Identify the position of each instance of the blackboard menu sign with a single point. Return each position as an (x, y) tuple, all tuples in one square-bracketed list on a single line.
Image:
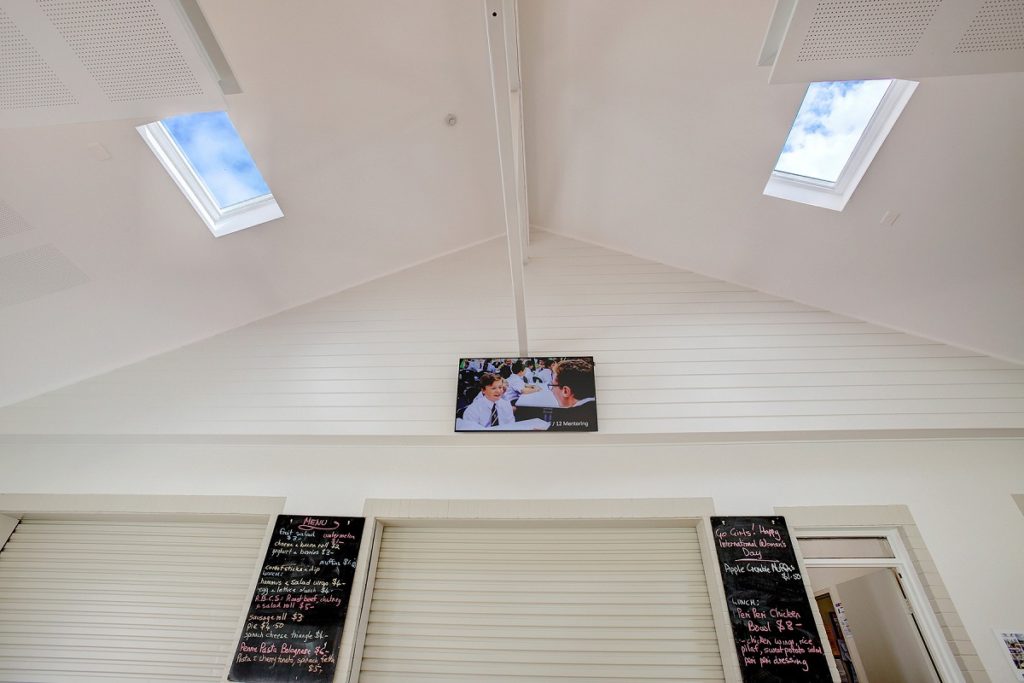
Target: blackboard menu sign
[(772, 621), (293, 629)]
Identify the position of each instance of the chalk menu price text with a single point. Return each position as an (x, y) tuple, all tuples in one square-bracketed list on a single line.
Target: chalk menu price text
[(772, 622), (293, 629)]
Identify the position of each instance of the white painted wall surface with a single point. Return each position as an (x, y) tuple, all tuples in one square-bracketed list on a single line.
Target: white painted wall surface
[(959, 492), (676, 352)]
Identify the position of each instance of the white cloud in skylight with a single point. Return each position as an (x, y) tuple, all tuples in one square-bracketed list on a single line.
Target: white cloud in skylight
[(828, 126), (212, 146)]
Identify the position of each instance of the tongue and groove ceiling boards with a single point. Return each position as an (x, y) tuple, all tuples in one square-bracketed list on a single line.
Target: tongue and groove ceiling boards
[(676, 353), (649, 130)]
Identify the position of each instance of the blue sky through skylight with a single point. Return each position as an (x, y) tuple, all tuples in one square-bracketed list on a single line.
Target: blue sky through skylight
[(828, 126), (211, 144)]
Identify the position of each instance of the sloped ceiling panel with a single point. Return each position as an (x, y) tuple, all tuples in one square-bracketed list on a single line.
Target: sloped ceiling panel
[(70, 61), (356, 151), (651, 130), (855, 39)]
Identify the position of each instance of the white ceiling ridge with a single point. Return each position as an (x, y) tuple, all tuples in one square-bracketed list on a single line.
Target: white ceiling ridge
[(283, 309), (788, 297)]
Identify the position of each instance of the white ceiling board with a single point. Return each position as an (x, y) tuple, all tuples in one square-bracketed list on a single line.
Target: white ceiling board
[(650, 130), (67, 61), (854, 39), (36, 272), (10, 222), (343, 110)]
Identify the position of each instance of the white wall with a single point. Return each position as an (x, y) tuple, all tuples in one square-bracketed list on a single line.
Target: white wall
[(959, 492), (676, 352)]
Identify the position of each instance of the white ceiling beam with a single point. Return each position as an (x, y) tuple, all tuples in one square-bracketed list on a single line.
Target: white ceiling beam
[(518, 127), (502, 46)]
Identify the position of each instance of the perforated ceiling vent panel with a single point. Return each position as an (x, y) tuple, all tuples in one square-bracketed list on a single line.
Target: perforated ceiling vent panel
[(36, 272), (854, 29), (10, 222), (998, 25), (125, 46), (26, 80)]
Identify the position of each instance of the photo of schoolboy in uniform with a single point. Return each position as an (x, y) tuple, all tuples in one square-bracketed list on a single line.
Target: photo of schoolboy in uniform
[(526, 394)]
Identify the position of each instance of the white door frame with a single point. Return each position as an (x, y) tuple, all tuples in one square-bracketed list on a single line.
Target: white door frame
[(928, 624)]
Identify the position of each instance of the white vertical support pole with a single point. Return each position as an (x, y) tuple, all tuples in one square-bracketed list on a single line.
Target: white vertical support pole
[(499, 15), (518, 121)]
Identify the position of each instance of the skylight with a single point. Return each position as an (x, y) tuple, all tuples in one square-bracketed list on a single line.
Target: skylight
[(837, 132), (218, 156), (828, 127), (209, 162)]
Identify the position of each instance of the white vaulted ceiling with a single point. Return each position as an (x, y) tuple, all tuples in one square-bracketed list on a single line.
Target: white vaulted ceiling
[(649, 129), (343, 107)]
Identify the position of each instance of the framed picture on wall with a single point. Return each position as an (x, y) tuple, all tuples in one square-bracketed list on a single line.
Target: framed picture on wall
[(1013, 648), (539, 393)]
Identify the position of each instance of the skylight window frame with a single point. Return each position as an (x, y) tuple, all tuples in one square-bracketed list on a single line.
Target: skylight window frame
[(834, 196), (220, 221)]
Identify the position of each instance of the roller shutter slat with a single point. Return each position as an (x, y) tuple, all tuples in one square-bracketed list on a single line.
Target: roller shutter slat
[(557, 606), (617, 672), (141, 642), (540, 644), (548, 631), (611, 596), (32, 619), (540, 576), (535, 620), (563, 656), (393, 677), (474, 586)]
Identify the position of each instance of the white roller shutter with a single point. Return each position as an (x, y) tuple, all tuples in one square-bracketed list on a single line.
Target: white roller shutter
[(89, 601), (545, 605)]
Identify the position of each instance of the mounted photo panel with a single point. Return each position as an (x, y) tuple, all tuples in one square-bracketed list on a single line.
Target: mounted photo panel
[(538, 393)]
